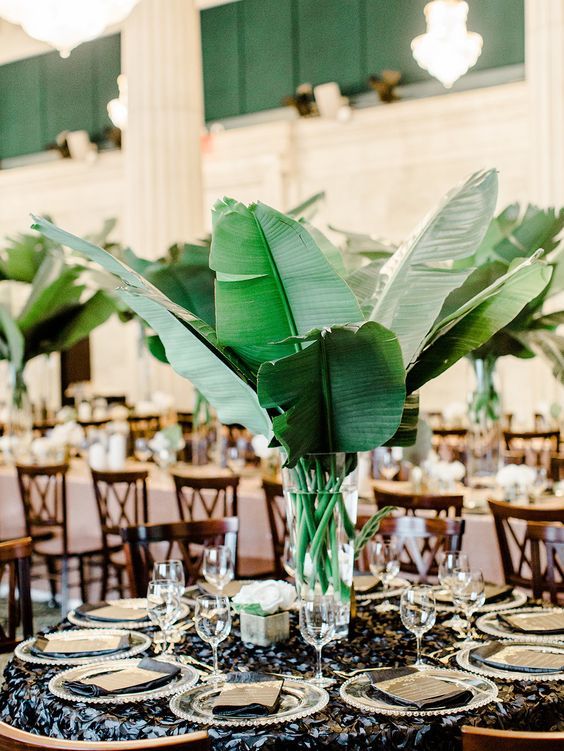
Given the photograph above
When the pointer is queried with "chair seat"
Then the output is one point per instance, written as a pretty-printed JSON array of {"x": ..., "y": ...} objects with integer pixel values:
[{"x": 78, "y": 547}]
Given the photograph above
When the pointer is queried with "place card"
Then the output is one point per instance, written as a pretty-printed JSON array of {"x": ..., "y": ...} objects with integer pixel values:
[
  {"x": 494, "y": 593},
  {"x": 363, "y": 584},
  {"x": 418, "y": 689},
  {"x": 229, "y": 590},
  {"x": 58, "y": 645},
  {"x": 120, "y": 679},
  {"x": 546, "y": 622},
  {"x": 147, "y": 674},
  {"x": 518, "y": 657},
  {"x": 113, "y": 613},
  {"x": 248, "y": 695}
]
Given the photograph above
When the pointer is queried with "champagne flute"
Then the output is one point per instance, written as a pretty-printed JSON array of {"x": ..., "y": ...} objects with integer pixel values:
[
  {"x": 317, "y": 627},
  {"x": 171, "y": 570},
  {"x": 384, "y": 565},
  {"x": 469, "y": 594},
  {"x": 418, "y": 612},
  {"x": 163, "y": 607},
  {"x": 213, "y": 624},
  {"x": 218, "y": 566},
  {"x": 451, "y": 563}
]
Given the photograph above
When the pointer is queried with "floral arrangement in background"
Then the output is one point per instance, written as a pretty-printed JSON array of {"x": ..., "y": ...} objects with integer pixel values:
[{"x": 264, "y": 597}]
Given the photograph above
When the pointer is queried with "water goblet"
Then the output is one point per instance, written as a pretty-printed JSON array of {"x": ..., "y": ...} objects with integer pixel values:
[
  {"x": 212, "y": 618},
  {"x": 171, "y": 570},
  {"x": 218, "y": 566},
  {"x": 141, "y": 450},
  {"x": 317, "y": 627},
  {"x": 388, "y": 467},
  {"x": 450, "y": 564},
  {"x": 418, "y": 612},
  {"x": 468, "y": 594},
  {"x": 384, "y": 564},
  {"x": 163, "y": 607}
]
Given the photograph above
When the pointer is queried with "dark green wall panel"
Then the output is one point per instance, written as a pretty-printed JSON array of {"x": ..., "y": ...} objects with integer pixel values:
[
  {"x": 20, "y": 110},
  {"x": 221, "y": 60},
  {"x": 502, "y": 26},
  {"x": 107, "y": 67}
]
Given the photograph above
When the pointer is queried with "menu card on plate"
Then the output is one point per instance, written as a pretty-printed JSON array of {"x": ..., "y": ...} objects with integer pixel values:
[
  {"x": 144, "y": 675},
  {"x": 56, "y": 645},
  {"x": 248, "y": 695},
  {"x": 363, "y": 584},
  {"x": 107, "y": 611},
  {"x": 230, "y": 590},
  {"x": 494, "y": 593},
  {"x": 544, "y": 622},
  {"x": 518, "y": 657},
  {"x": 411, "y": 687}
]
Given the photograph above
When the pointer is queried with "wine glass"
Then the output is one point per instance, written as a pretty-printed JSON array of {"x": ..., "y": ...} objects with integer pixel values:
[
  {"x": 418, "y": 612},
  {"x": 218, "y": 566},
  {"x": 171, "y": 570},
  {"x": 163, "y": 607},
  {"x": 388, "y": 467},
  {"x": 539, "y": 485},
  {"x": 288, "y": 558},
  {"x": 213, "y": 624},
  {"x": 384, "y": 565},
  {"x": 468, "y": 594},
  {"x": 317, "y": 627},
  {"x": 141, "y": 450},
  {"x": 451, "y": 563}
]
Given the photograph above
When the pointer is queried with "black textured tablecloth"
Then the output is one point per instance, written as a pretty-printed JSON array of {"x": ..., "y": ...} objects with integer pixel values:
[{"x": 379, "y": 639}]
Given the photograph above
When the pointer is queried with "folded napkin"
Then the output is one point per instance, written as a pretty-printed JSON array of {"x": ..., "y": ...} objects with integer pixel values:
[
  {"x": 111, "y": 612},
  {"x": 413, "y": 688},
  {"x": 230, "y": 590},
  {"x": 494, "y": 593},
  {"x": 517, "y": 657},
  {"x": 248, "y": 695},
  {"x": 54, "y": 645},
  {"x": 365, "y": 583},
  {"x": 144, "y": 676},
  {"x": 545, "y": 622}
]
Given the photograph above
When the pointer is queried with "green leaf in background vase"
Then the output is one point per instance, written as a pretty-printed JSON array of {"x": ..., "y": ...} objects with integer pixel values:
[
  {"x": 20, "y": 260},
  {"x": 13, "y": 347},
  {"x": 547, "y": 344},
  {"x": 344, "y": 392},
  {"x": 406, "y": 434},
  {"x": 85, "y": 318}
]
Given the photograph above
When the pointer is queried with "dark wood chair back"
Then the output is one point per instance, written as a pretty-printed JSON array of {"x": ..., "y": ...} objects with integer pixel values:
[
  {"x": 533, "y": 447},
  {"x": 547, "y": 559},
  {"x": 420, "y": 540},
  {"x": 43, "y": 492},
  {"x": 276, "y": 510},
  {"x": 13, "y": 739},
  {"x": 513, "y": 541},
  {"x": 188, "y": 538},
  {"x": 442, "y": 505},
  {"x": 450, "y": 443},
  {"x": 492, "y": 739},
  {"x": 15, "y": 565},
  {"x": 121, "y": 497},
  {"x": 205, "y": 497}
]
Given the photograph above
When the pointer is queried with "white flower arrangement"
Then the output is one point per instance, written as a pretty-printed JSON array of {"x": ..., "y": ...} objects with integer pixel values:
[
  {"x": 517, "y": 477},
  {"x": 264, "y": 597}
]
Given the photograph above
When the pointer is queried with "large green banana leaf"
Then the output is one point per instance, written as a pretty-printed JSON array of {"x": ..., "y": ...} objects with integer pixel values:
[
  {"x": 419, "y": 276},
  {"x": 344, "y": 392},
  {"x": 12, "y": 343},
  {"x": 273, "y": 282}
]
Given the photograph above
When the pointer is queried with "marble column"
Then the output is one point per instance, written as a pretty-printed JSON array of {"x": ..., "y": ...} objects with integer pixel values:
[
  {"x": 544, "y": 63},
  {"x": 161, "y": 56}
]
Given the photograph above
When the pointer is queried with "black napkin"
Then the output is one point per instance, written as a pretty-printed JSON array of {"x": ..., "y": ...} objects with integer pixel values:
[
  {"x": 88, "y": 612},
  {"x": 507, "y": 620},
  {"x": 494, "y": 593},
  {"x": 486, "y": 655},
  {"x": 451, "y": 696},
  {"x": 40, "y": 648},
  {"x": 223, "y": 708},
  {"x": 148, "y": 663}
]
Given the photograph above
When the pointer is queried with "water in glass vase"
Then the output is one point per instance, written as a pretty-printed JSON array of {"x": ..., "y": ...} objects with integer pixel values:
[{"x": 484, "y": 410}]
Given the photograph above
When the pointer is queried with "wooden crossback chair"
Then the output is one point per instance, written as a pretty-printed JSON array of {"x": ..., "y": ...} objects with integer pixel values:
[
  {"x": 533, "y": 447},
  {"x": 492, "y": 739},
  {"x": 12, "y": 739},
  {"x": 514, "y": 544},
  {"x": 420, "y": 540},
  {"x": 442, "y": 505},
  {"x": 276, "y": 510},
  {"x": 15, "y": 564},
  {"x": 189, "y": 538},
  {"x": 550, "y": 577},
  {"x": 203, "y": 497},
  {"x": 450, "y": 443},
  {"x": 122, "y": 500}
]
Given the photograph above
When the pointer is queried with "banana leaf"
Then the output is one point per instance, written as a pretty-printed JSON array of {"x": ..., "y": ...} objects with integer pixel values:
[{"x": 12, "y": 346}]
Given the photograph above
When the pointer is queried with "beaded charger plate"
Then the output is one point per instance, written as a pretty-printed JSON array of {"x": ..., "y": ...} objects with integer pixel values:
[
  {"x": 298, "y": 699},
  {"x": 132, "y": 602},
  {"x": 490, "y": 624},
  {"x": 186, "y": 678},
  {"x": 138, "y": 642},
  {"x": 357, "y": 691},
  {"x": 515, "y": 600},
  {"x": 395, "y": 589},
  {"x": 464, "y": 660}
]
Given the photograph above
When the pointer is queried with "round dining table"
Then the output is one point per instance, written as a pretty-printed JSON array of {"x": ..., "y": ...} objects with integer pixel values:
[{"x": 376, "y": 639}]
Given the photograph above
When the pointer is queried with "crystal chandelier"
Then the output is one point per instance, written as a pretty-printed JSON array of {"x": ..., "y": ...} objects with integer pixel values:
[
  {"x": 64, "y": 24},
  {"x": 448, "y": 49}
]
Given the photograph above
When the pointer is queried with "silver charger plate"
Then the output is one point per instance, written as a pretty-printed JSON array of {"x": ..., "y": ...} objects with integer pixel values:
[
  {"x": 298, "y": 699},
  {"x": 395, "y": 589},
  {"x": 357, "y": 692},
  {"x": 489, "y": 624},
  {"x": 463, "y": 659},
  {"x": 131, "y": 602},
  {"x": 187, "y": 678},
  {"x": 139, "y": 643},
  {"x": 515, "y": 600}
]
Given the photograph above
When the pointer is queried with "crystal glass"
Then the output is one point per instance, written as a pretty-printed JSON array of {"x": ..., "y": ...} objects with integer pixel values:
[
  {"x": 171, "y": 570},
  {"x": 451, "y": 563},
  {"x": 317, "y": 627},
  {"x": 213, "y": 624},
  {"x": 218, "y": 566},
  {"x": 141, "y": 450},
  {"x": 539, "y": 486},
  {"x": 468, "y": 594},
  {"x": 384, "y": 564},
  {"x": 418, "y": 612},
  {"x": 388, "y": 467},
  {"x": 163, "y": 606},
  {"x": 236, "y": 459}
]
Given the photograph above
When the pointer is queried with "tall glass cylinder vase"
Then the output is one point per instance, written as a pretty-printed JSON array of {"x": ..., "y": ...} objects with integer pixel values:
[
  {"x": 321, "y": 494},
  {"x": 19, "y": 422},
  {"x": 484, "y": 412}
]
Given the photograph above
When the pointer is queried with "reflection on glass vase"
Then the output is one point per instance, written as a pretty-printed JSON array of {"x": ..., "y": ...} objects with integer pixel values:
[
  {"x": 19, "y": 423},
  {"x": 484, "y": 412},
  {"x": 321, "y": 494}
]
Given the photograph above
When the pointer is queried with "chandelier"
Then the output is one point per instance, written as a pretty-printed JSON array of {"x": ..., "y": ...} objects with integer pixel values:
[
  {"x": 64, "y": 24},
  {"x": 448, "y": 49}
]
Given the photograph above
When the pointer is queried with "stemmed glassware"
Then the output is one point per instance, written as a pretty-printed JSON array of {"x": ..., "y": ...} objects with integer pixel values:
[
  {"x": 163, "y": 607},
  {"x": 384, "y": 564},
  {"x": 317, "y": 627},
  {"x": 218, "y": 566},
  {"x": 171, "y": 570},
  {"x": 468, "y": 594},
  {"x": 388, "y": 467},
  {"x": 451, "y": 563},
  {"x": 142, "y": 450},
  {"x": 418, "y": 612},
  {"x": 213, "y": 624}
]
